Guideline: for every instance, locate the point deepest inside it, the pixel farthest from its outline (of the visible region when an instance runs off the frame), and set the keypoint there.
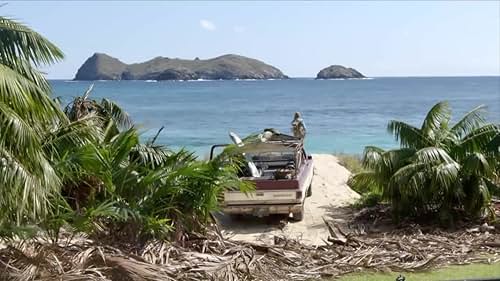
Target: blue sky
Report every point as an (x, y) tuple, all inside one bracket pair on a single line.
[(377, 38)]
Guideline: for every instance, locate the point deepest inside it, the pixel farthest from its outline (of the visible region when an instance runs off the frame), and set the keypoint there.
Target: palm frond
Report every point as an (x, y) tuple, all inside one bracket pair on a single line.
[(438, 169), (25, 97), (73, 134), (115, 112), (25, 69), (371, 157), (437, 119), (396, 158), (149, 155), (408, 182), (477, 164), (16, 134), (469, 122), (494, 145), (122, 144), (446, 175), (477, 140), (430, 155), (30, 192), (19, 41), (407, 135), (366, 181)]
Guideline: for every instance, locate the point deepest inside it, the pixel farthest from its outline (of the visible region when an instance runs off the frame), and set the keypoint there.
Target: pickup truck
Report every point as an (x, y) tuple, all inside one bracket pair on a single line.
[(282, 172)]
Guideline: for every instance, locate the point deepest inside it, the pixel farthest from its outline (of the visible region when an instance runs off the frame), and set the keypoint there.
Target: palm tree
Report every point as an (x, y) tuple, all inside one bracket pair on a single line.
[(113, 117), (439, 167), (147, 190), (27, 179), (85, 166)]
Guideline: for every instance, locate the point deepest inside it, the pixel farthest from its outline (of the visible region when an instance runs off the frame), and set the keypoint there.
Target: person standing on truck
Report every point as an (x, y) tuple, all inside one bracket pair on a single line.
[(298, 126)]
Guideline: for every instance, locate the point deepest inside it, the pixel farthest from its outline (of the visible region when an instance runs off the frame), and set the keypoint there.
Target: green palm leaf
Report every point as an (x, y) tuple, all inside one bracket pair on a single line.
[(477, 140), (118, 115), (437, 169), (394, 159), (149, 155), (69, 135), (366, 181), (445, 176), (407, 135), (371, 157), (437, 119), (477, 164), (20, 42), (470, 122), (30, 190), (28, 181), (409, 181), (25, 96), (430, 155)]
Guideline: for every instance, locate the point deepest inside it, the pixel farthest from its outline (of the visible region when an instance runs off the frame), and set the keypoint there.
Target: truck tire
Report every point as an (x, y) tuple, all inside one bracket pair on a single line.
[(310, 190), (298, 216)]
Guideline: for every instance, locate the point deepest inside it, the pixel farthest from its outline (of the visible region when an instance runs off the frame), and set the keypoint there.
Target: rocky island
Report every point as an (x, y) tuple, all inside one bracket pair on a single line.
[(227, 67), (339, 72)]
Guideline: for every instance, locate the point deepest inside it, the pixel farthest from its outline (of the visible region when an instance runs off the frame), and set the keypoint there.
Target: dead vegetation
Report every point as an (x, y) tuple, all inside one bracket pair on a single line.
[(212, 257)]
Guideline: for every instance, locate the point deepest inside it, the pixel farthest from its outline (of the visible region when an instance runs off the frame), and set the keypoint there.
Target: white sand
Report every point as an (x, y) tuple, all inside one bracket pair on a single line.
[(329, 192)]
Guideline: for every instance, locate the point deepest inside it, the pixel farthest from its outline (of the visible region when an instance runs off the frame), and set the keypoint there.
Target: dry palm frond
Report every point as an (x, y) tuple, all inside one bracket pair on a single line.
[(212, 257)]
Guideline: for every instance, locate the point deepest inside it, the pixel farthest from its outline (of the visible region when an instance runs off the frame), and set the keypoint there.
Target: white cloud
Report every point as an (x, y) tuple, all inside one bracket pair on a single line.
[(207, 25), (238, 29)]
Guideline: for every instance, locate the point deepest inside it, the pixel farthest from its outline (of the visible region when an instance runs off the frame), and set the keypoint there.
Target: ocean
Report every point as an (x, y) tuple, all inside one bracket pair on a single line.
[(342, 116)]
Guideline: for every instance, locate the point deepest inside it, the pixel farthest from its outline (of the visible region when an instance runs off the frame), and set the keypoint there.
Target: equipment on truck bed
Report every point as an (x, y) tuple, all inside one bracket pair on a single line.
[(280, 169)]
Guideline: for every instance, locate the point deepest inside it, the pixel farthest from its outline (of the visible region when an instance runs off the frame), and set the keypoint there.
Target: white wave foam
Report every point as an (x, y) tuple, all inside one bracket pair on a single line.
[(365, 78)]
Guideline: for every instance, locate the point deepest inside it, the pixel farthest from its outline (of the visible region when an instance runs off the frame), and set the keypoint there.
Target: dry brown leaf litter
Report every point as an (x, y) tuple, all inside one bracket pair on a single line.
[(211, 257)]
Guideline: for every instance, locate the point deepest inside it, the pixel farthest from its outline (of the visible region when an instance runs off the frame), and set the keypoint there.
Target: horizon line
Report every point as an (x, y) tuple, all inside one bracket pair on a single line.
[(312, 77)]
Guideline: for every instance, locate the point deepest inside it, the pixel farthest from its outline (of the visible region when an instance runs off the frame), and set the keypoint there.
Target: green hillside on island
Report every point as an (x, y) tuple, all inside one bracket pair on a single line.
[(227, 67)]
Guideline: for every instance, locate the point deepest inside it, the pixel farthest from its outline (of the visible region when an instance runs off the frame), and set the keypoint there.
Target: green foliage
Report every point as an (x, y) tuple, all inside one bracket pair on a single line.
[(440, 167), (368, 199), (83, 168), (28, 182), (351, 162), (118, 184)]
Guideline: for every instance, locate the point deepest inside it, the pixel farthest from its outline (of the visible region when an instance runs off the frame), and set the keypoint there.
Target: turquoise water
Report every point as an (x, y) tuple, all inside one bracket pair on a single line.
[(341, 115)]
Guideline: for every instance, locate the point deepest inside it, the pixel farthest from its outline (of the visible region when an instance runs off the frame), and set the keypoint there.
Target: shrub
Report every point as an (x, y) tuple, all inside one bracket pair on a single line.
[(84, 168), (440, 167), (351, 162)]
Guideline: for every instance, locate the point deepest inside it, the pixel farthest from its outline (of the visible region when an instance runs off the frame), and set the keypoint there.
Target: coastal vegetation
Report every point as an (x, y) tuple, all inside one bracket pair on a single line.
[(351, 162), (83, 168), (440, 168), (83, 198)]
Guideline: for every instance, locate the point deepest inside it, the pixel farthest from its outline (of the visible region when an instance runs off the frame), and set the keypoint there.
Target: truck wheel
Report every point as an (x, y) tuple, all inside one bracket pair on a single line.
[(309, 191), (298, 216)]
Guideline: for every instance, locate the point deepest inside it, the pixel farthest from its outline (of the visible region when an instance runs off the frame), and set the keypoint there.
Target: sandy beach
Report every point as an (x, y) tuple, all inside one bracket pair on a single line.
[(330, 193)]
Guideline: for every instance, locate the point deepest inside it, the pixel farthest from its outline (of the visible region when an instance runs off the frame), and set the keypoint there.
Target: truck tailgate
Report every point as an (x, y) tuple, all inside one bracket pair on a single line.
[(262, 197)]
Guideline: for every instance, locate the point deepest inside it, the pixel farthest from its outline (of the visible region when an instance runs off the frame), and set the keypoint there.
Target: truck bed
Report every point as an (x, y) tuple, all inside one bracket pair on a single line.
[(271, 196)]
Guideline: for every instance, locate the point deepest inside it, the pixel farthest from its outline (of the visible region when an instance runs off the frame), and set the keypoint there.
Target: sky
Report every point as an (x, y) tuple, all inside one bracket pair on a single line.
[(392, 38)]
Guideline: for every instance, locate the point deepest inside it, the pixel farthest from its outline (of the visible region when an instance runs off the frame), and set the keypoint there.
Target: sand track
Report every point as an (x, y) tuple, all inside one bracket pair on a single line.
[(330, 194)]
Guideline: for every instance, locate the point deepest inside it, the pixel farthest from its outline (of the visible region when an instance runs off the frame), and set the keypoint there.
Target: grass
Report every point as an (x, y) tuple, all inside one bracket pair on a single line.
[(351, 162), (457, 272)]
